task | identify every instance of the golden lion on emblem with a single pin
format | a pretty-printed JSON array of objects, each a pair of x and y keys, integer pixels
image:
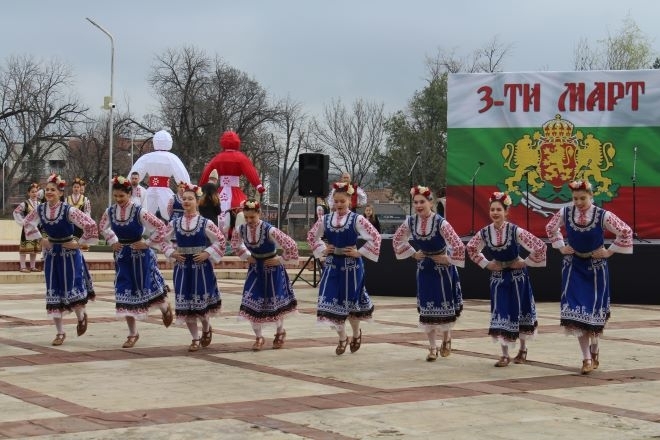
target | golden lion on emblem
[
  {"x": 591, "y": 159},
  {"x": 526, "y": 157}
]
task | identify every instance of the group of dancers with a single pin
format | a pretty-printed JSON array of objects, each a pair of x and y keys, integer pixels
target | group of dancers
[{"x": 194, "y": 242}]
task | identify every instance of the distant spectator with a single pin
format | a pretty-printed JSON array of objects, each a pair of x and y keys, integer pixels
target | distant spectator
[{"x": 371, "y": 215}]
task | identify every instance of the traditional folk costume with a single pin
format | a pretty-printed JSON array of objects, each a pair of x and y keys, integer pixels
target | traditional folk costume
[
  {"x": 138, "y": 195},
  {"x": 585, "y": 296},
  {"x": 342, "y": 292},
  {"x": 174, "y": 207},
  {"x": 67, "y": 283},
  {"x": 139, "y": 284},
  {"x": 229, "y": 165},
  {"x": 81, "y": 202},
  {"x": 158, "y": 166},
  {"x": 512, "y": 308},
  {"x": 439, "y": 295},
  {"x": 27, "y": 247},
  {"x": 267, "y": 294},
  {"x": 195, "y": 284}
]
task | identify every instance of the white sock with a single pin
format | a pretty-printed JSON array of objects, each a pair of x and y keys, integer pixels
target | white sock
[
  {"x": 505, "y": 350},
  {"x": 192, "y": 326},
  {"x": 431, "y": 335},
  {"x": 132, "y": 326},
  {"x": 22, "y": 260},
  {"x": 33, "y": 261},
  {"x": 59, "y": 325},
  {"x": 258, "y": 329},
  {"x": 80, "y": 312},
  {"x": 584, "y": 346}
]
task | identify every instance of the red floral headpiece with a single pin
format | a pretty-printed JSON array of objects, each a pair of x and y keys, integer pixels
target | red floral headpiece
[
  {"x": 57, "y": 180},
  {"x": 501, "y": 197},
  {"x": 251, "y": 205},
  {"x": 344, "y": 187},
  {"x": 121, "y": 180},
  {"x": 580, "y": 185},
  {"x": 189, "y": 187},
  {"x": 421, "y": 190}
]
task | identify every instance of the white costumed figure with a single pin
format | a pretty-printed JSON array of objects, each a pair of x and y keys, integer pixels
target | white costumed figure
[{"x": 156, "y": 168}]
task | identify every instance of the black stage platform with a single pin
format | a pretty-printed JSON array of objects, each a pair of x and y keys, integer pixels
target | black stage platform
[{"x": 631, "y": 276}]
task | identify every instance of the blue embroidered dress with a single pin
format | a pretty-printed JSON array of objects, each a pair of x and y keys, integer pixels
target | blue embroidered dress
[
  {"x": 68, "y": 283},
  {"x": 139, "y": 283},
  {"x": 195, "y": 284},
  {"x": 512, "y": 307},
  {"x": 585, "y": 296},
  {"x": 175, "y": 207},
  {"x": 267, "y": 295},
  {"x": 342, "y": 292},
  {"x": 439, "y": 295}
]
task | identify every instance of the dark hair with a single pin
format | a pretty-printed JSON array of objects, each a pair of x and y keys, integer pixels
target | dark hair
[
  {"x": 209, "y": 195},
  {"x": 122, "y": 187}
]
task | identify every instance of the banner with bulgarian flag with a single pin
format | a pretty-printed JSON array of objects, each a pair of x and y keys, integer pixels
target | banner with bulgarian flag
[{"x": 531, "y": 133}]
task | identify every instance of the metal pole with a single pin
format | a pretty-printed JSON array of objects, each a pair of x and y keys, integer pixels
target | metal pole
[
  {"x": 112, "y": 105},
  {"x": 132, "y": 144},
  {"x": 3, "y": 185}
]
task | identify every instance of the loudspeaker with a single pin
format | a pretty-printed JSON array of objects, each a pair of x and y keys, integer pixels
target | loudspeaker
[{"x": 313, "y": 174}]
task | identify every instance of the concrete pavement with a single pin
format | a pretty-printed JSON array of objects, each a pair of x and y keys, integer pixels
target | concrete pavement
[{"x": 90, "y": 388}]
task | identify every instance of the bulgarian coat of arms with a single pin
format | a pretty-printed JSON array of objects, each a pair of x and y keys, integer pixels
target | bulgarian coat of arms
[{"x": 544, "y": 162}]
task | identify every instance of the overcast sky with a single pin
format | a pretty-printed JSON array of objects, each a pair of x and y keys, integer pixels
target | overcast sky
[{"x": 313, "y": 51}]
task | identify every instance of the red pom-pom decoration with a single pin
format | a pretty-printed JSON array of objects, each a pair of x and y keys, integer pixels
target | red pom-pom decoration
[{"x": 230, "y": 141}]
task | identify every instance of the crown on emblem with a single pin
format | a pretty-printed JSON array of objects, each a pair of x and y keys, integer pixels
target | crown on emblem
[{"x": 558, "y": 129}]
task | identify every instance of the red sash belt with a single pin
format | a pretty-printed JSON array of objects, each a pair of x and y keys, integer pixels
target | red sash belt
[{"x": 159, "y": 181}]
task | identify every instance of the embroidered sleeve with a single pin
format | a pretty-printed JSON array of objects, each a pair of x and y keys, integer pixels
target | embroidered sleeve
[
  {"x": 371, "y": 247},
  {"x": 400, "y": 242},
  {"x": 314, "y": 238},
  {"x": 623, "y": 242},
  {"x": 87, "y": 206},
  {"x": 455, "y": 245},
  {"x": 170, "y": 207},
  {"x": 218, "y": 241},
  {"x": 31, "y": 226},
  {"x": 238, "y": 245},
  {"x": 87, "y": 224},
  {"x": 19, "y": 213},
  {"x": 536, "y": 247},
  {"x": 105, "y": 227},
  {"x": 288, "y": 245},
  {"x": 553, "y": 229},
  {"x": 155, "y": 230},
  {"x": 474, "y": 248}
]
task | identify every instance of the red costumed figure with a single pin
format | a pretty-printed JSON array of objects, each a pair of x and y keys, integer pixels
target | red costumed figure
[{"x": 231, "y": 164}]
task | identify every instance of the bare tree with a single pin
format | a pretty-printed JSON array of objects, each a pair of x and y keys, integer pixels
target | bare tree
[
  {"x": 628, "y": 49},
  {"x": 352, "y": 138},
  {"x": 488, "y": 58},
  {"x": 200, "y": 98},
  {"x": 38, "y": 116}
]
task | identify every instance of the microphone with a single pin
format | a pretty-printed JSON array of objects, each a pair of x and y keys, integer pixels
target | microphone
[
  {"x": 635, "y": 149},
  {"x": 481, "y": 163},
  {"x": 419, "y": 153}
]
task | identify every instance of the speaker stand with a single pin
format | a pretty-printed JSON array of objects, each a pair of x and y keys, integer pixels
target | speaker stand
[{"x": 317, "y": 266}]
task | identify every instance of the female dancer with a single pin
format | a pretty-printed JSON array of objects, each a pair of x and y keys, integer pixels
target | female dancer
[
  {"x": 585, "y": 296},
  {"x": 139, "y": 285},
  {"x": 512, "y": 309},
  {"x": 342, "y": 294},
  {"x": 175, "y": 205},
  {"x": 195, "y": 284},
  {"x": 439, "y": 296},
  {"x": 67, "y": 288},
  {"x": 28, "y": 247},
  {"x": 268, "y": 295},
  {"x": 78, "y": 200}
]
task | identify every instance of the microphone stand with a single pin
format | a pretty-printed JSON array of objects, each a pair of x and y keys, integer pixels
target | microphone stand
[
  {"x": 527, "y": 197},
  {"x": 410, "y": 174},
  {"x": 474, "y": 180},
  {"x": 634, "y": 197}
]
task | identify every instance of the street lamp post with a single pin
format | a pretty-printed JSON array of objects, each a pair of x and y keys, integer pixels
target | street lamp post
[
  {"x": 132, "y": 146},
  {"x": 109, "y": 104},
  {"x": 4, "y": 179}
]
